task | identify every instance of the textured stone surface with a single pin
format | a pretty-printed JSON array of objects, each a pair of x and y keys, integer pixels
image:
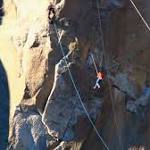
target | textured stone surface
[
  {"x": 142, "y": 101},
  {"x": 31, "y": 54},
  {"x": 28, "y": 130},
  {"x": 63, "y": 107}
]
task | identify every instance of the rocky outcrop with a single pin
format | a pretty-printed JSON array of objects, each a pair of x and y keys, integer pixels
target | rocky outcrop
[
  {"x": 63, "y": 108},
  {"x": 142, "y": 101},
  {"x": 46, "y": 112},
  {"x": 28, "y": 130}
]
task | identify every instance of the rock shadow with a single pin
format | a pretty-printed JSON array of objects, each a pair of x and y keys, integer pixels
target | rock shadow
[
  {"x": 4, "y": 107},
  {"x": 1, "y": 11}
]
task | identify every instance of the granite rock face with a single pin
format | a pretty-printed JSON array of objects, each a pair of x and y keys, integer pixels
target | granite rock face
[
  {"x": 41, "y": 58},
  {"x": 28, "y": 132},
  {"x": 63, "y": 107}
]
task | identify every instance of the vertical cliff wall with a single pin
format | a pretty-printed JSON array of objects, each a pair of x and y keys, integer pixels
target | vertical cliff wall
[{"x": 45, "y": 110}]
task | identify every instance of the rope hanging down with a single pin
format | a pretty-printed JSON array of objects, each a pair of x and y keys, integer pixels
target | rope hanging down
[
  {"x": 78, "y": 94},
  {"x": 108, "y": 80},
  {"x": 96, "y": 69},
  {"x": 138, "y": 12}
]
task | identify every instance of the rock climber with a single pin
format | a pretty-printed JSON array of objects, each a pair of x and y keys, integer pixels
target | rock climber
[
  {"x": 51, "y": 14},
  {"x": 100, "y": 77}
]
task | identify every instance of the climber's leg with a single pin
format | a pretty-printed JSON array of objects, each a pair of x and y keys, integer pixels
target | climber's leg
[{"x": 97, "y": 85}]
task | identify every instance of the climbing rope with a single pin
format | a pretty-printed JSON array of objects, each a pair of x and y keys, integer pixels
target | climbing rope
[
  {"x": 108, "y": 80},
  {"x": 96, "y": 69},
  {"x": 78, "y": 94},
  {"x": 138, "y": 12}
]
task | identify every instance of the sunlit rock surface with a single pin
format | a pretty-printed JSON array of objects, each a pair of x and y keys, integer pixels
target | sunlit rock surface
[{"x": 45, "y": 112}]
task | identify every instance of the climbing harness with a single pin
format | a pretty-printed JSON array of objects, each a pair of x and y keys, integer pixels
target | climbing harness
[
  {"x": 78, "y": 94},
  {"x": 138, "y": 12}
]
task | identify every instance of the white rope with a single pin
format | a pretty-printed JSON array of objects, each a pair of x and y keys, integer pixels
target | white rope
[
  {"x": 96, "y": 69},
  {"x": 78, "y": 94},
  {"x": 144, "y": 21},
  {"x": 109, "y": 84},
  {"x": 101, "y": 60}
]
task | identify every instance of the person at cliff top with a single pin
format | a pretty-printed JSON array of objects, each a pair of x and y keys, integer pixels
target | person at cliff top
[
  {"x": 51, "y": 14},
  {"x": 100, "y": 77}
]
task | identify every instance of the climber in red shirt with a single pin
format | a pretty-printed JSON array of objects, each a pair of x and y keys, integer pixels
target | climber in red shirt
[{"x": 100, "y": 77}]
